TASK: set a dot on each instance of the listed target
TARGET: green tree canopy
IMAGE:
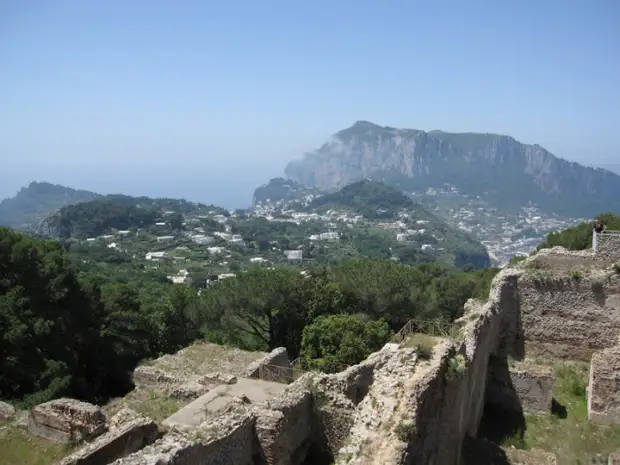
(334, 341)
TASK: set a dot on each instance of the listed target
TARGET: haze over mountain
(510, 174)
(207, 100)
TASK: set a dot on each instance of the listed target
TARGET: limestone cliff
(508, 172)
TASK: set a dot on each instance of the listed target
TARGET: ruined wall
(568, 312)
(276, 358)
(603, 401)
(608, 248)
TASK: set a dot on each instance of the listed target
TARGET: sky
(208, 99)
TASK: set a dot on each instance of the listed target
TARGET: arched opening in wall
(503, 419)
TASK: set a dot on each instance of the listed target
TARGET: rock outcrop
(128, 432)
(67, 420)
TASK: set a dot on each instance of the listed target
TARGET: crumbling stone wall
(568, 313)
(128, 432)
(603, 388)
(226, 440)
(520, 386)
(276, 358)
(608, 248)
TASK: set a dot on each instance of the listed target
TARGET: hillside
(32, 203)
(496, 167)
(120, 212)
(282, 190)
(374, 220)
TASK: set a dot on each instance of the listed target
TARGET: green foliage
(456, 366)
(579, 237)
(574, 384)
(373, 200)
(72, 332)
(617, 267)
(404, 430)
(97, 217)
(331, 342)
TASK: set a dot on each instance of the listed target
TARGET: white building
(294, 255)
(155, 255)
(165, 238)
(216, 250)
(202, 239)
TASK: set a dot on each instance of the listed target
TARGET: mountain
(32, 203)
(508, 173)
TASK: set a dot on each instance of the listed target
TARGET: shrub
(404, 430)
(456, 366)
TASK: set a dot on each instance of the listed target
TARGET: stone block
(604, 387)
(7, 411)
(128, 433)
(520, 386)
(534, 386)
(150, 376)
(217, 378)
(65, 420)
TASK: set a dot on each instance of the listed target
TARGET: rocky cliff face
(511, 173)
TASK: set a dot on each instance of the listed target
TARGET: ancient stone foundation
(67, 420)
(603, 387)
(128, 432)
(520, 386)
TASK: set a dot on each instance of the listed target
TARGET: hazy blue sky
(207, 99)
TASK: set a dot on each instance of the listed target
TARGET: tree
(334, 341)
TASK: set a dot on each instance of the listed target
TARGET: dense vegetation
(579, 237)
(104, 214)
(280, 189)
(74, 325)
(32, 203)
(373, 200)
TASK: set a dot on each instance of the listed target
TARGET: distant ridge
(507, 173)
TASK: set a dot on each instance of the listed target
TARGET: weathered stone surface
(608, 249)
(65, 420)
(568, 312)
(614, 458)
(189, 390)
(520, 386)
(276, 358)
(284, 429)
(225, 440)
(217, 377)
(604, 388)
(7, 411)
(439, 402)
(149, 376)
(129, 432)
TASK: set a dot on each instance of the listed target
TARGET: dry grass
(573, 439)
(204, 357)
(18, 447)
(154, 404)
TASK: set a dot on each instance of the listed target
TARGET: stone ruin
(394, 408)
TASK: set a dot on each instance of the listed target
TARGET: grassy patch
(573, 439)
(422, 343)
(153, 404)
(18, 447)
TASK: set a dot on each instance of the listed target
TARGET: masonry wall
(448, 407)
(568, 316)
(608, 248)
